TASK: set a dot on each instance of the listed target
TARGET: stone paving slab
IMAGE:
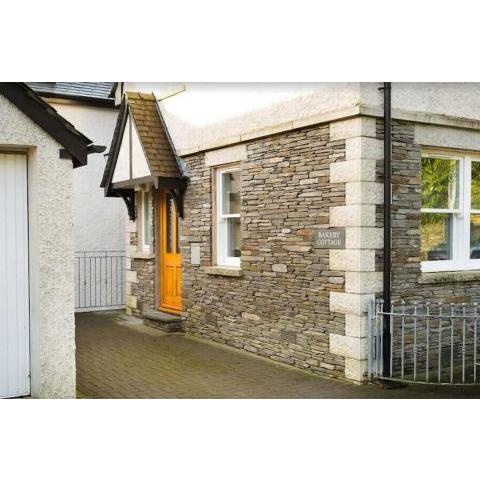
(121, 358)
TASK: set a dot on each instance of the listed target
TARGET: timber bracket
(128, 196)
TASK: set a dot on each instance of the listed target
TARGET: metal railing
(426, 343)
(99, 280)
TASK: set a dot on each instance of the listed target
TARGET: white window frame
(461, 218)
(221, 222)
(146, 247)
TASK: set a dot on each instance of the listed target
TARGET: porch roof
(142, 113)
(152, 132)
(153, 135)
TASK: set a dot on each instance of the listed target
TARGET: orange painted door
(170, 257)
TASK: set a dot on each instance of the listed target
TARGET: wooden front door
(170, 257)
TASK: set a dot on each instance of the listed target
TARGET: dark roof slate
(78, 90)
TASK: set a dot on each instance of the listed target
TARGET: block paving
(119, 357)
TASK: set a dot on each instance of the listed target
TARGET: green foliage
(439, 182)
(476, 185)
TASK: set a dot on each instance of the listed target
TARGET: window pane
(439, 183)
(474, 236)
(233, 237)
(147, 221)
(171, 241)
(476, 185)
(436, 236)
(231, 192)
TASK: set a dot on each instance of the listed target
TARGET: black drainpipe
(387, 225)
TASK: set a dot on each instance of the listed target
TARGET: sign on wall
(330, 238)
(195, 254)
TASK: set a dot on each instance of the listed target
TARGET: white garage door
(14, 291)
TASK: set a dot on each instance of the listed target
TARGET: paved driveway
(117, 358)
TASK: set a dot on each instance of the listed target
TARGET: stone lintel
(235, 153)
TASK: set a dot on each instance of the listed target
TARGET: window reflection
(171, 240)
(475, 186)
(233, 237)
(436, 243)
(439, 183)
(231, 192)
(474, 236)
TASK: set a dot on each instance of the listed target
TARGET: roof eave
(178, 160)
(94, 101)
(47, 118)
(106, 183)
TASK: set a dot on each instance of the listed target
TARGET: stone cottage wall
(140, 266)
(408, 282)
(143, 288)
(293, 302)
(280, 306)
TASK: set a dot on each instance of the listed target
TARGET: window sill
(224, 271)
(449, 277)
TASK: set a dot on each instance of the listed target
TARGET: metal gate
(425, 343)
(99, 280)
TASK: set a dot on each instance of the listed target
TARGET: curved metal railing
(427, 343)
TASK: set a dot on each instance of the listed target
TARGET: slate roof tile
(144, 110)
(89, 90)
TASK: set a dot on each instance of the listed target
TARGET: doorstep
(164, 321)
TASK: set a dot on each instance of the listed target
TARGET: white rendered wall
(130, 140)
(209, 113)
(50, 197)
(440, 98)
(99, 222)
(140, 166)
